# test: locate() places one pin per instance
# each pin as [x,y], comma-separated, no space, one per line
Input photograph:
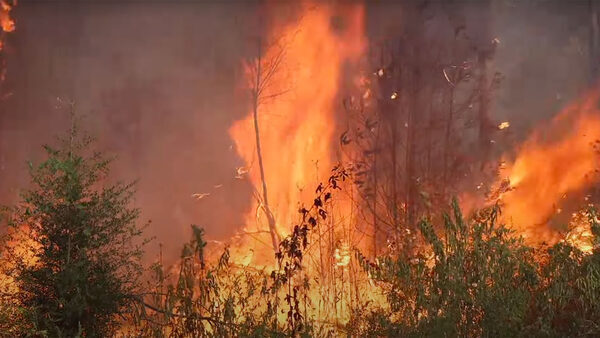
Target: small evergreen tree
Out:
[83,244]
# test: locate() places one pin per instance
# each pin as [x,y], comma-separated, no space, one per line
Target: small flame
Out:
[8,24]
[580,232]
[504,125]
[342,255]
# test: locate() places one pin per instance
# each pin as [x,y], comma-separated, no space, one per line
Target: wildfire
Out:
[580,232]
[297,123]
[23,251]
[8,24]
[553,163]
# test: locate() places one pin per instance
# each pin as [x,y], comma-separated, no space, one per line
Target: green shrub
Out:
[83,244]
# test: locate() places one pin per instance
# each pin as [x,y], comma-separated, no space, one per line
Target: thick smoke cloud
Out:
[544,57]
[158,84]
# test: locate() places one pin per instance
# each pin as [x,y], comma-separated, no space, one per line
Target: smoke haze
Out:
[159,85]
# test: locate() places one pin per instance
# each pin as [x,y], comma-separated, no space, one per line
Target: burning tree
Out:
[288,131]
[262,71]
[74,249]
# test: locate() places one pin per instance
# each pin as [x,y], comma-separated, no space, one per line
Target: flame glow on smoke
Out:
[297,123]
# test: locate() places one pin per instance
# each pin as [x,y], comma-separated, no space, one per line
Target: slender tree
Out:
[262,72]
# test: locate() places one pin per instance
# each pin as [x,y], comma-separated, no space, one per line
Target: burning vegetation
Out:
[386,201]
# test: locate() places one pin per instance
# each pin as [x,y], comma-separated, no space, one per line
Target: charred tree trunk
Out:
[447,138]
[414,84]
[394,172]
[410,153]
[375,183]
[270,218]
[485,49]
[259,85]
[483,112]
[594,42]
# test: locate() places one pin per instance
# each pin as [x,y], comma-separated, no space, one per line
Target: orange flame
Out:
[7,23]
[554,162]
[297,127]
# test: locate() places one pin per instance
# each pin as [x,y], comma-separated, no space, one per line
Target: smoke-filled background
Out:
[160,84]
